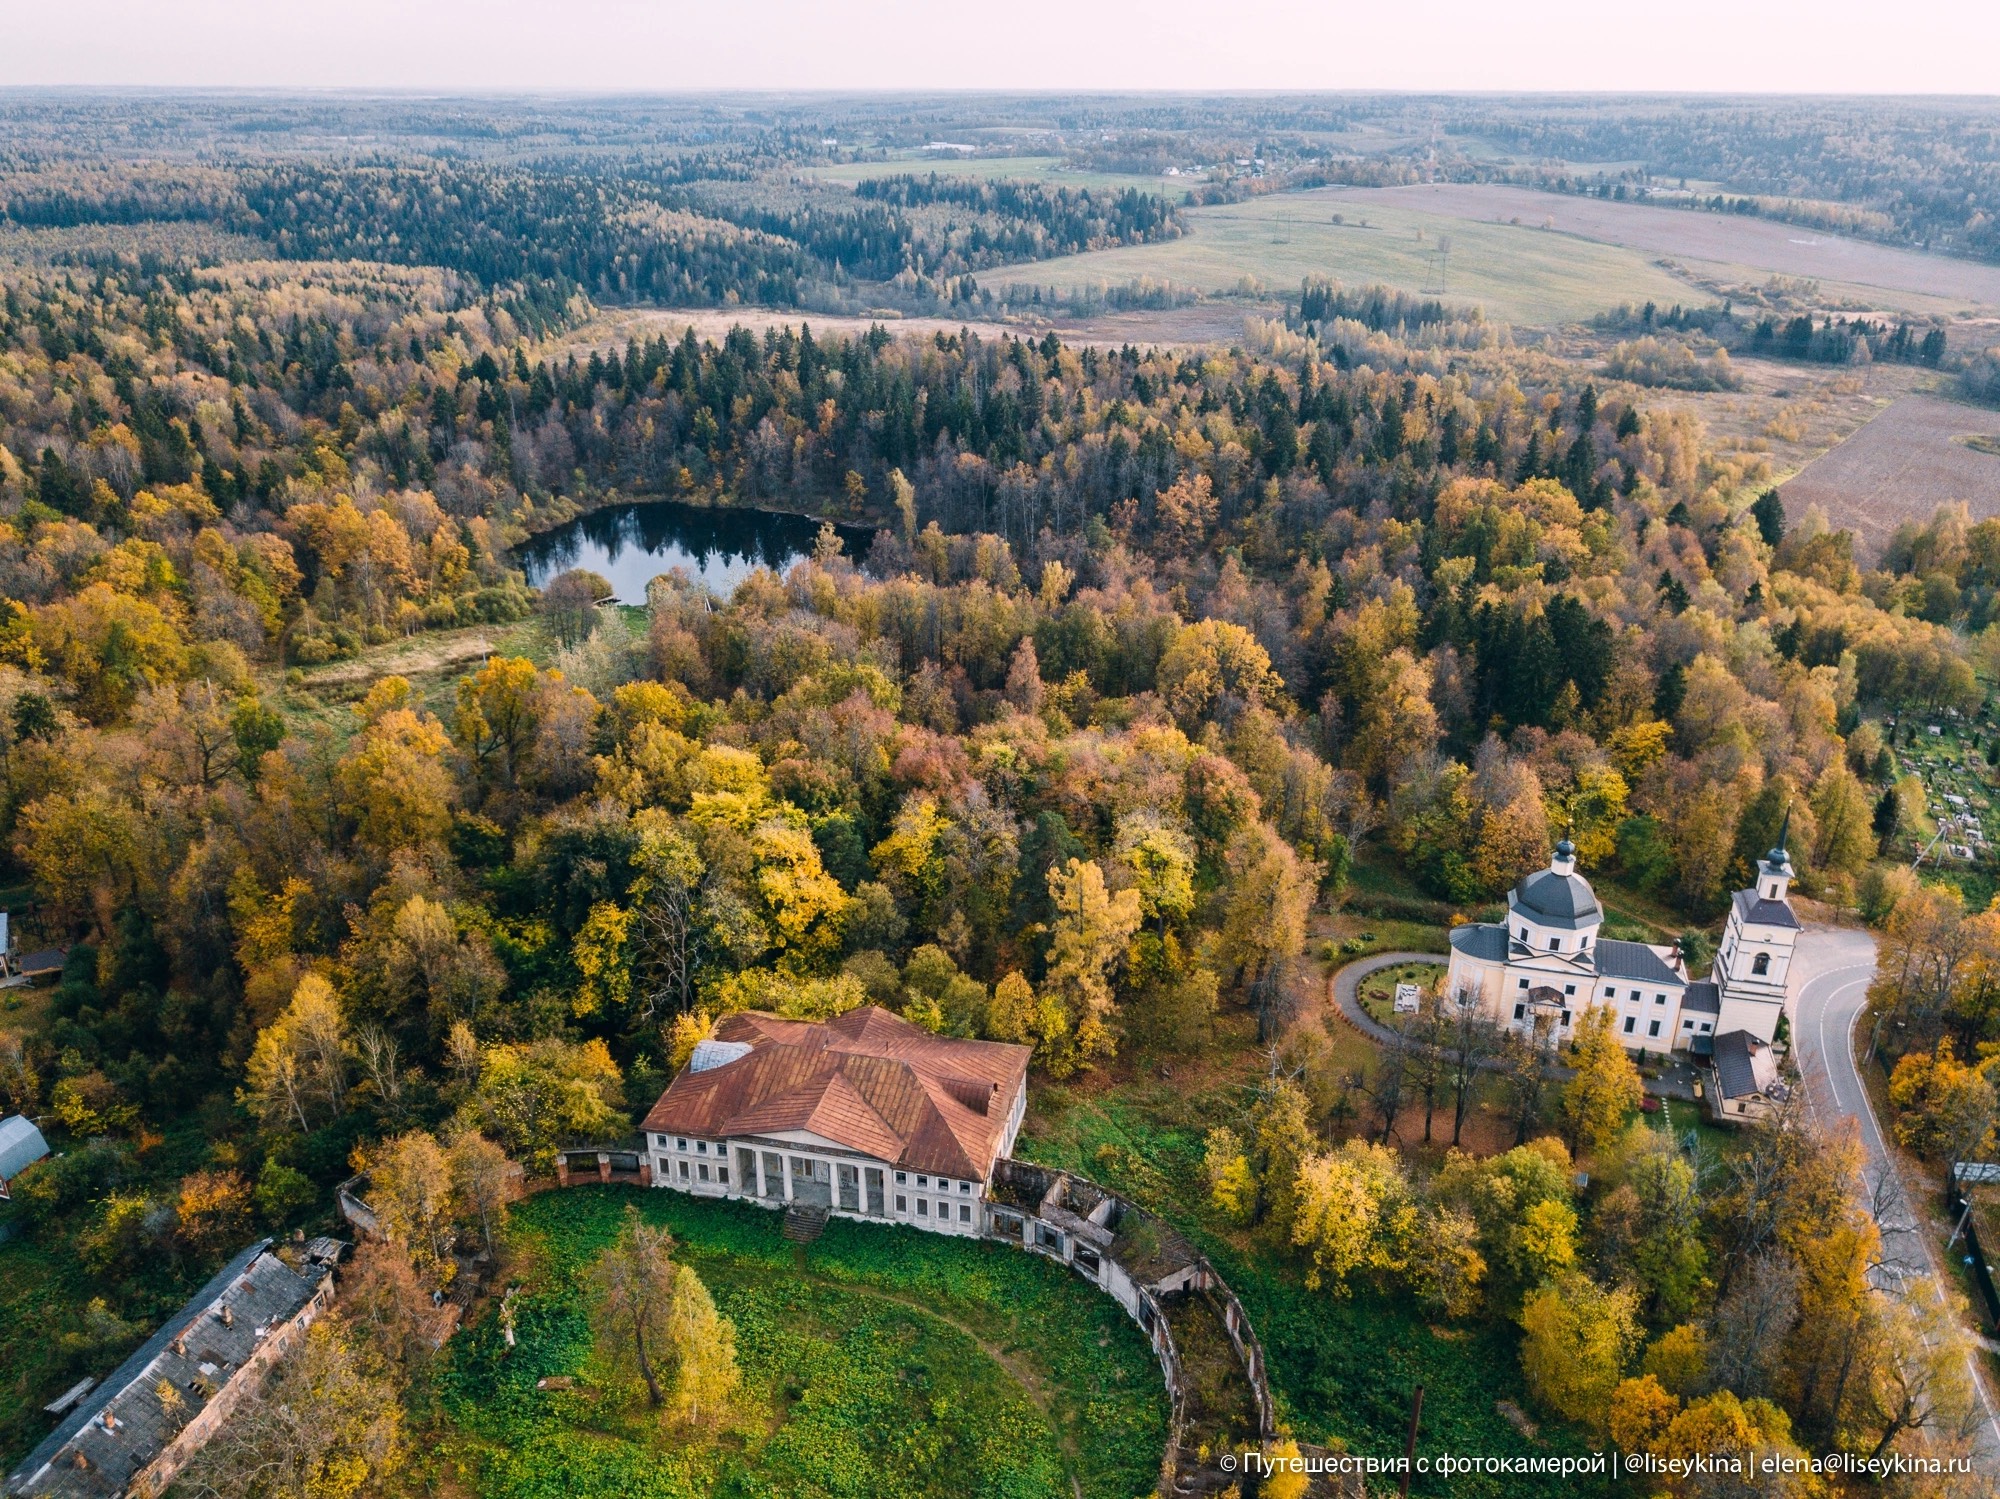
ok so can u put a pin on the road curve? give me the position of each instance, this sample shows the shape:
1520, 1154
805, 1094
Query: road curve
1831, 973
1347, 989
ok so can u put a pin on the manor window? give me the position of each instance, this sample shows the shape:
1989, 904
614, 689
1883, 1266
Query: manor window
1630, 1021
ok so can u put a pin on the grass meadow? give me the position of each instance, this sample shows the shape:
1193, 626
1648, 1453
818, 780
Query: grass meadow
1516, 273
880, 1360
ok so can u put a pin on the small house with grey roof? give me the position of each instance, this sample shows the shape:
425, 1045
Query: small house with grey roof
21, 1145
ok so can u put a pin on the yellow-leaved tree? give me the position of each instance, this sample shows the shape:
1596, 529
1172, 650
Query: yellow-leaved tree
297, 1073
1091, 930
1605, 1088
1355, 1214
1576, 1339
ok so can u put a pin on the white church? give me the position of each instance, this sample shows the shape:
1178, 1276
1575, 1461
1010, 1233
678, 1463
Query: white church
1539, 969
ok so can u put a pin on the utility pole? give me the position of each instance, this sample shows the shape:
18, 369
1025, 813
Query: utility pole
1410, 1441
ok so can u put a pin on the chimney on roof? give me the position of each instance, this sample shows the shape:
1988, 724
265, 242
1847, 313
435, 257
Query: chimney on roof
110, 1421
228, 1315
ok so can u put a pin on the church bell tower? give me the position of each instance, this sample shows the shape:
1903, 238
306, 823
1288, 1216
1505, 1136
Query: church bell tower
1754, 964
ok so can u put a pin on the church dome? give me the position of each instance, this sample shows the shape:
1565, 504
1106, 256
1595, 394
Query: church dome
1558, 899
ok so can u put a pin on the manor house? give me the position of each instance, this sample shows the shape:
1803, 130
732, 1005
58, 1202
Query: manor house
861, 1116
1537, 970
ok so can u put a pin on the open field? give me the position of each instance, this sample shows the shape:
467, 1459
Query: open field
1914, 280
1050, 169
879, 1360
1902, 466
1517, 274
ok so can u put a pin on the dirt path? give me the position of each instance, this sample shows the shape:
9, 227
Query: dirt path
1023, 1373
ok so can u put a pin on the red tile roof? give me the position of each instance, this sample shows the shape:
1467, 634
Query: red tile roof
866, 1080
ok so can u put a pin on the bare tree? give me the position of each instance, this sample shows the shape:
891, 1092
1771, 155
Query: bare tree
1471, 1041
381, 1058
1388, 1084
1747, 1334
1525, 1079
482, 1180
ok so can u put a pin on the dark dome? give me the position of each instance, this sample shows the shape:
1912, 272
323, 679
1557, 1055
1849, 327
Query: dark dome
1559, 899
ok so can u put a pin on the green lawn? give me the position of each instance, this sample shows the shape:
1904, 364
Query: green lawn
1378, 990
41, 1291
882, 1361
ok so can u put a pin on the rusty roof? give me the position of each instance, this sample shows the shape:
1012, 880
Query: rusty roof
866, 1080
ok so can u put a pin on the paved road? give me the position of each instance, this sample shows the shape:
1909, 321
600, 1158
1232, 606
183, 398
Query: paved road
1832, 970
1347, 988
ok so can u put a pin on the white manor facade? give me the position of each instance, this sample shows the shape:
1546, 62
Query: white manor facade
861, 1116
1540, 969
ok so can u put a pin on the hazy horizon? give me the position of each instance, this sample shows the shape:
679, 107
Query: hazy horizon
1945, 47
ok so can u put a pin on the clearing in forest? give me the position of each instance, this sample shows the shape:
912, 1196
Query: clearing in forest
1518, 274
1729, 240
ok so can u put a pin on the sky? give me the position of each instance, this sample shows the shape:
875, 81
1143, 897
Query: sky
1827, 46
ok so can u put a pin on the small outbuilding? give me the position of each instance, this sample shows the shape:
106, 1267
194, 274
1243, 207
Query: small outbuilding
1744, 1082
21, 1145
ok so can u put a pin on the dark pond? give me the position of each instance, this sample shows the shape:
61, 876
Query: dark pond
633, 544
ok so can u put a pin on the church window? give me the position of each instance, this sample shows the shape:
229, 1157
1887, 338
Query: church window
1524, 983
1555, 944
1569, 988
1774, 892
1520, 1011
1761, 963
1565, 1018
